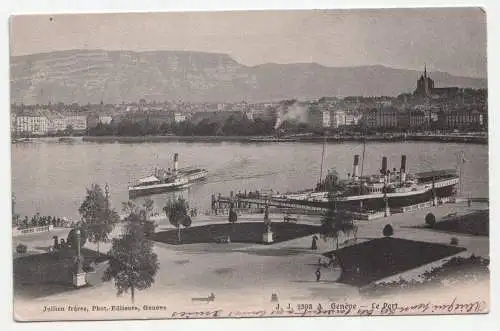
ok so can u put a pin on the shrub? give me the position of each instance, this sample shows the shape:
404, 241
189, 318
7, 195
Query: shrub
72, 238
21, 249
454, 241
388, 230
430, 220
149, 228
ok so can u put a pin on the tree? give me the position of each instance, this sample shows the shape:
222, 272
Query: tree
177, 214
388, 231
140, 215
71, 240
15, 217
233, 216
98, 219
335, 222
133, 264
430, 220
69, 130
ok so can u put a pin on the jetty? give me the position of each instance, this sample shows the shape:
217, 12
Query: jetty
257, 202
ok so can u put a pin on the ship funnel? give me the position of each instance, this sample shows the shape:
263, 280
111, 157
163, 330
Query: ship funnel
176, 162
355, 166
383, 171
403, 168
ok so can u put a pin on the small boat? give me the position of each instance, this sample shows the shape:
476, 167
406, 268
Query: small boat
66, 140
21, 140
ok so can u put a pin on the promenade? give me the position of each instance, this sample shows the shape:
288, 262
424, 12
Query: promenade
247, 274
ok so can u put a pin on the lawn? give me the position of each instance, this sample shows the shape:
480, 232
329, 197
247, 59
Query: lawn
476, 223
457, 269
250, 232
48, 273
376, 259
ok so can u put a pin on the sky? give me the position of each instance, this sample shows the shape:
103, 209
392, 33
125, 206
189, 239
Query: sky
450, 40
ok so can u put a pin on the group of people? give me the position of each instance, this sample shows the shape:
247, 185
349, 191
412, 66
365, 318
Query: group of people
193, 212
37, 220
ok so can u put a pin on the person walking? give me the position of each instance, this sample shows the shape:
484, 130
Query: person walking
314, 245
318, 274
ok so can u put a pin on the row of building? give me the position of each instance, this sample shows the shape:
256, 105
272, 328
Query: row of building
45, 122
392, 118
40, 125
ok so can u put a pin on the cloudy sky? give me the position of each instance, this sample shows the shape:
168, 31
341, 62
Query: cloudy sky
452, 40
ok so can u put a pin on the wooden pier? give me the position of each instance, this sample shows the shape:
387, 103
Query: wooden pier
255, 203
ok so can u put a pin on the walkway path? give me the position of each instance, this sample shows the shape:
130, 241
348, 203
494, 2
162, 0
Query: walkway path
249, 273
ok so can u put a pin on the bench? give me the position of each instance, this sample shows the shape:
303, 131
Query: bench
208, 299
288, 219
223, 240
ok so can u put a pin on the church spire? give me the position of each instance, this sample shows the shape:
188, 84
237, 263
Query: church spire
425, 70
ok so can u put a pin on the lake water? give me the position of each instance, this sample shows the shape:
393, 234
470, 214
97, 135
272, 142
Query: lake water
51, 177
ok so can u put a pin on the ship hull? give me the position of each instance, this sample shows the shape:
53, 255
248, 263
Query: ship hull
192, 178
377, 202
155, 189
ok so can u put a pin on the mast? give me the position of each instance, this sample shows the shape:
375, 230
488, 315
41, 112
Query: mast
322, 157
362, 161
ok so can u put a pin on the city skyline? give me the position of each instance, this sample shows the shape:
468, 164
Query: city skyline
296, 37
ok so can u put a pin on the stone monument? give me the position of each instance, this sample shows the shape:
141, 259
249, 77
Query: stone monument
79, 276
267, 236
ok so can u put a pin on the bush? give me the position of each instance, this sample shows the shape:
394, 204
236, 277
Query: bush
430, 220
454, 241
149, 228
21, 249
72, 238
388, 230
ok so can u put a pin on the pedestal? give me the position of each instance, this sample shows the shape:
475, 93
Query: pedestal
267, 237
79, 279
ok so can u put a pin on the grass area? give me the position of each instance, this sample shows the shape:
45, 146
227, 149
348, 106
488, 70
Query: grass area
457, 269
250, 232
476, 223
45, 274
383, 257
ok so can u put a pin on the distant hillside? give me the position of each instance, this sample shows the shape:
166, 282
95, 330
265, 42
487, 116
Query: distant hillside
116, 76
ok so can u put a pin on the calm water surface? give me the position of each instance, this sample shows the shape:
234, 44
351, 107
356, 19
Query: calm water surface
51, 178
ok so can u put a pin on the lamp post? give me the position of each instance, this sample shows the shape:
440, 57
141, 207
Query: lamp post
106, 192
386, 199
267, 236
79, 276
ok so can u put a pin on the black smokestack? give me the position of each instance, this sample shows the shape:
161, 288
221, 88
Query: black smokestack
403, 163
384, 165
176, 161
355, 166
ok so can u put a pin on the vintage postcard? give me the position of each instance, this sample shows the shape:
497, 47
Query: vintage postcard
249, 164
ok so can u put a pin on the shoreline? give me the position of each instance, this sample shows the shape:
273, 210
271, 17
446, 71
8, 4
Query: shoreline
478, 140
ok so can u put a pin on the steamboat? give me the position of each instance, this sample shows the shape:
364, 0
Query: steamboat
165, 180
398, 188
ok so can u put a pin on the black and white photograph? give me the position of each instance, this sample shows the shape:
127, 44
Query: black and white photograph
249, 164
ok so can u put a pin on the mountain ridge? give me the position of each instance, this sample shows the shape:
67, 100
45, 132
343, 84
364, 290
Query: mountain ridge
114, 76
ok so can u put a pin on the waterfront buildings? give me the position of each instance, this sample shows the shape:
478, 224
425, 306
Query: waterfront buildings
179, 117
463, 119
35, 125
53, 123
319, 118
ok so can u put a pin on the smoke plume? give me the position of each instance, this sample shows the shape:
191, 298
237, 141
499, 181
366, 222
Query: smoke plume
294, 112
